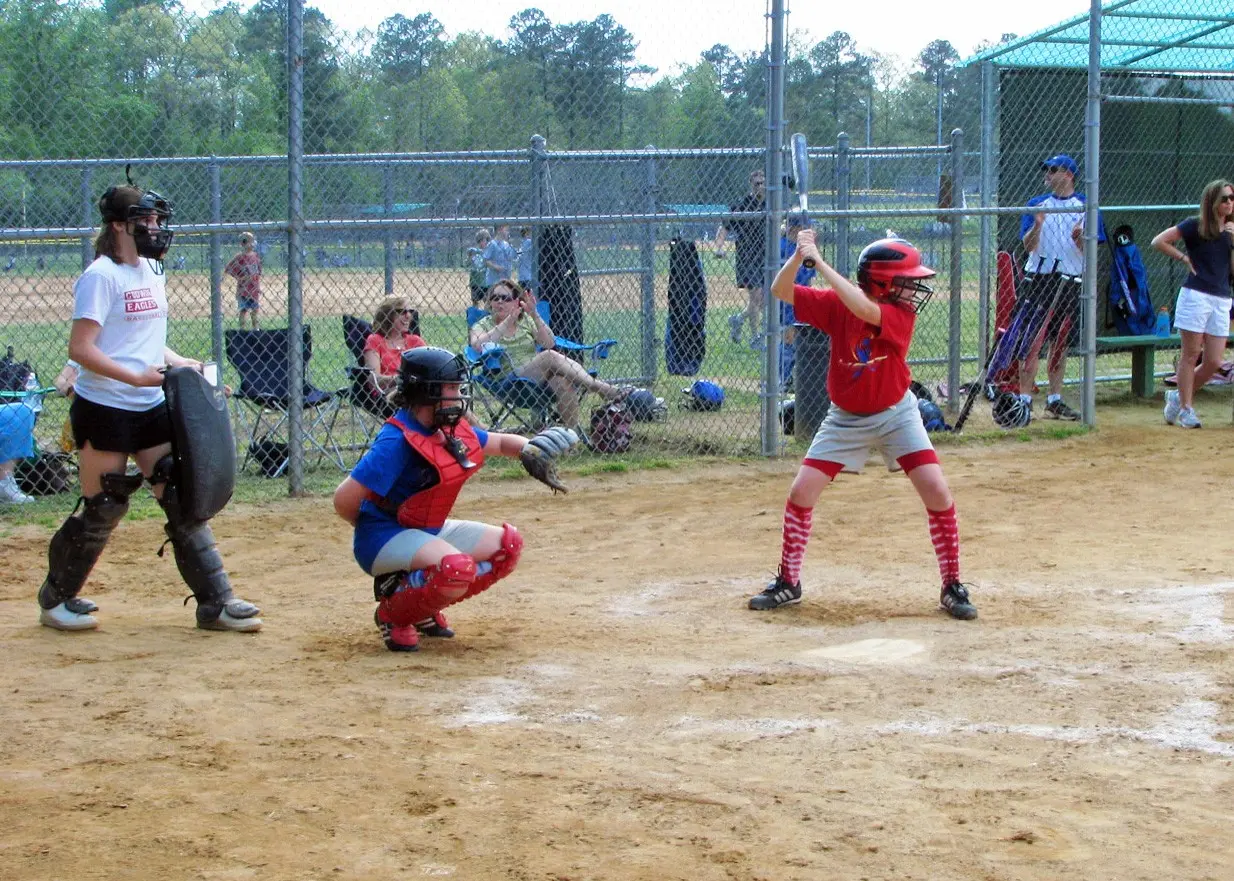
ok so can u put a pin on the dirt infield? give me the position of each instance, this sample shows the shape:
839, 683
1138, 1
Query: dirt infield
613, 712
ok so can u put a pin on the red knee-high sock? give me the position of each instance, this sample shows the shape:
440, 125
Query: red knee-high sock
945, 535
796, 534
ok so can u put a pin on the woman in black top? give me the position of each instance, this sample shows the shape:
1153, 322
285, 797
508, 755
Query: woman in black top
1202, 310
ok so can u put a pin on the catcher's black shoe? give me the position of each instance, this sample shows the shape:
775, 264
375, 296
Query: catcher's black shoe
955, 602
436, 626
779, 593
1059, 410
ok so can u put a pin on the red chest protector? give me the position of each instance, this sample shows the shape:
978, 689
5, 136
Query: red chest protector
430, 508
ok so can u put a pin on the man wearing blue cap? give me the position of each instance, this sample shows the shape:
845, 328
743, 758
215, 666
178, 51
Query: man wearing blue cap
1055, 265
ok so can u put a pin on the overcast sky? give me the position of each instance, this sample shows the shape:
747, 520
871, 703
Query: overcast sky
673, 32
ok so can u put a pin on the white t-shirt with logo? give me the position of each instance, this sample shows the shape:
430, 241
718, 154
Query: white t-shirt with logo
130, 303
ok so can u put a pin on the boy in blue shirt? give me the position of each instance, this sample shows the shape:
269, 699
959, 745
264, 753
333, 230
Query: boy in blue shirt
793, 224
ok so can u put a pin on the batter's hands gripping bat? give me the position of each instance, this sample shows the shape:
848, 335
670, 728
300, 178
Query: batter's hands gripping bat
801, 177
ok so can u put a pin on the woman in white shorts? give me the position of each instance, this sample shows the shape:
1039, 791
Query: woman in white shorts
1202, 310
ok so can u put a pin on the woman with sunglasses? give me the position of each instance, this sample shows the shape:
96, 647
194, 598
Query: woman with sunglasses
514, 324
392, 336
1202, 309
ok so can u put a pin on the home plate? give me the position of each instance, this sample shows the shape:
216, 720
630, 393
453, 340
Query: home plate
869, 651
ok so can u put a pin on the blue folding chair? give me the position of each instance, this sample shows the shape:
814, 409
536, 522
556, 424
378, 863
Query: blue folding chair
513, 402
262, 400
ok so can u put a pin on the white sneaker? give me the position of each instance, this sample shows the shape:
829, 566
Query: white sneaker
1172, 406
237, 615
1188, 419
11, 493
62, 617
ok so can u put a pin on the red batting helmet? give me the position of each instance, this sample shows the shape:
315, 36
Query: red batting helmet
891, 269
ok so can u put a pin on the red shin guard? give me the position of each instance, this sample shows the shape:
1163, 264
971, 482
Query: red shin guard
503, 561
445, 584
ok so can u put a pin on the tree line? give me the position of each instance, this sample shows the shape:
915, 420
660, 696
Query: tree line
147, 78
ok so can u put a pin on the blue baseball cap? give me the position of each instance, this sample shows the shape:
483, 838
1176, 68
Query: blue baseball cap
1062, 160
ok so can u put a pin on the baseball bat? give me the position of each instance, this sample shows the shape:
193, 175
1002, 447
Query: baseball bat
996, 355
801, 178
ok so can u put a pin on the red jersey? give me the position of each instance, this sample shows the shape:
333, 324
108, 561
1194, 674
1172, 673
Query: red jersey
245, 268
388, 355
869, 365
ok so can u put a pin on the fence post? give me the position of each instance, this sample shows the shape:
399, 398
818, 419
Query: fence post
956, 315
987, 199
539, 168
387, 179
216, 262
647, 279
844, 169
295, 247
88, 210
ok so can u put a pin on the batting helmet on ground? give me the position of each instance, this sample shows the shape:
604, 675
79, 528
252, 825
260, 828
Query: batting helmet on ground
703, 395
1011, 411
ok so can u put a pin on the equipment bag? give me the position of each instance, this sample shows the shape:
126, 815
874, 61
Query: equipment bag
1131, 307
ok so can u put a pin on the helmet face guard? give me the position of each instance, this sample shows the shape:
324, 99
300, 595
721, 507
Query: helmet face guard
152, 244
423, 374
891, 270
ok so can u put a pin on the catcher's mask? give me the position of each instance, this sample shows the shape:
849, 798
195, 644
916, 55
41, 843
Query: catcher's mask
133, 206
891, 270
423, 374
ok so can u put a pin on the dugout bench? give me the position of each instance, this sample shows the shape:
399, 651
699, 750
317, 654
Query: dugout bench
1143, 351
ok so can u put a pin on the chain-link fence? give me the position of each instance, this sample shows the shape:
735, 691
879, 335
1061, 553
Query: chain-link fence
422, 167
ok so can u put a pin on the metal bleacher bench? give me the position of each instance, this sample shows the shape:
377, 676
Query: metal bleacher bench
1143, 350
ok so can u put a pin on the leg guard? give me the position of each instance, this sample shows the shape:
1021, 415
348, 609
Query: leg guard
76, 546
444, 584
200, 564
504, 561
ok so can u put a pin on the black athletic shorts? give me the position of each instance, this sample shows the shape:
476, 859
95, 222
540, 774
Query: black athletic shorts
749, 269
114, 430
1032, 313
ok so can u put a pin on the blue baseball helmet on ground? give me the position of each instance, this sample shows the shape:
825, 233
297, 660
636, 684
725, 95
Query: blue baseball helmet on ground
703, 395
932, 416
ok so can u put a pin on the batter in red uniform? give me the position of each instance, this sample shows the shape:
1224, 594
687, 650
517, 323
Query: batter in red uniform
871, 327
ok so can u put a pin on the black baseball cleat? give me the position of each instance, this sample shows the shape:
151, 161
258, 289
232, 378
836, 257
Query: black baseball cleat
955, 602
1059, 410
436, 626
779, 593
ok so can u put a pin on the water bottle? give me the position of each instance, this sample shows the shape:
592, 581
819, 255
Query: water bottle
33, 401
1163, 322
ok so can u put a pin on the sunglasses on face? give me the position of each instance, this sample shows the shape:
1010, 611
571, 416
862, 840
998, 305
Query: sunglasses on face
1228, 197
502, 298
1054, 169
407, 312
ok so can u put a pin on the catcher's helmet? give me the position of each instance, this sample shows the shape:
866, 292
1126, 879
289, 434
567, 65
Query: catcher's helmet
132, 205
891, 269
703, 395
1010, 411
421, 374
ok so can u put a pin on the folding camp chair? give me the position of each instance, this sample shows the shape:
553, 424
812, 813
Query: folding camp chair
367, 406
262, 399
512, 402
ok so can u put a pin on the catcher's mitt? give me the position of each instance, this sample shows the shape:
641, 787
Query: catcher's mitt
539, 457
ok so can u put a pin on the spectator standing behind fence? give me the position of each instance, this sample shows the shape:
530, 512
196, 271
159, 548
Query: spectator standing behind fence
794, 224
476, 271
1055, 264
392, 336
119, 337
1202, 310
526, 257
499, 257
749, 262
245, 268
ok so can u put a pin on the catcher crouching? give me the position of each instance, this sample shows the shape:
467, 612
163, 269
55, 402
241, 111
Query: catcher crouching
400, 494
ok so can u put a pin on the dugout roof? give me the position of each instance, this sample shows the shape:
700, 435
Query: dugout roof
1181, 36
